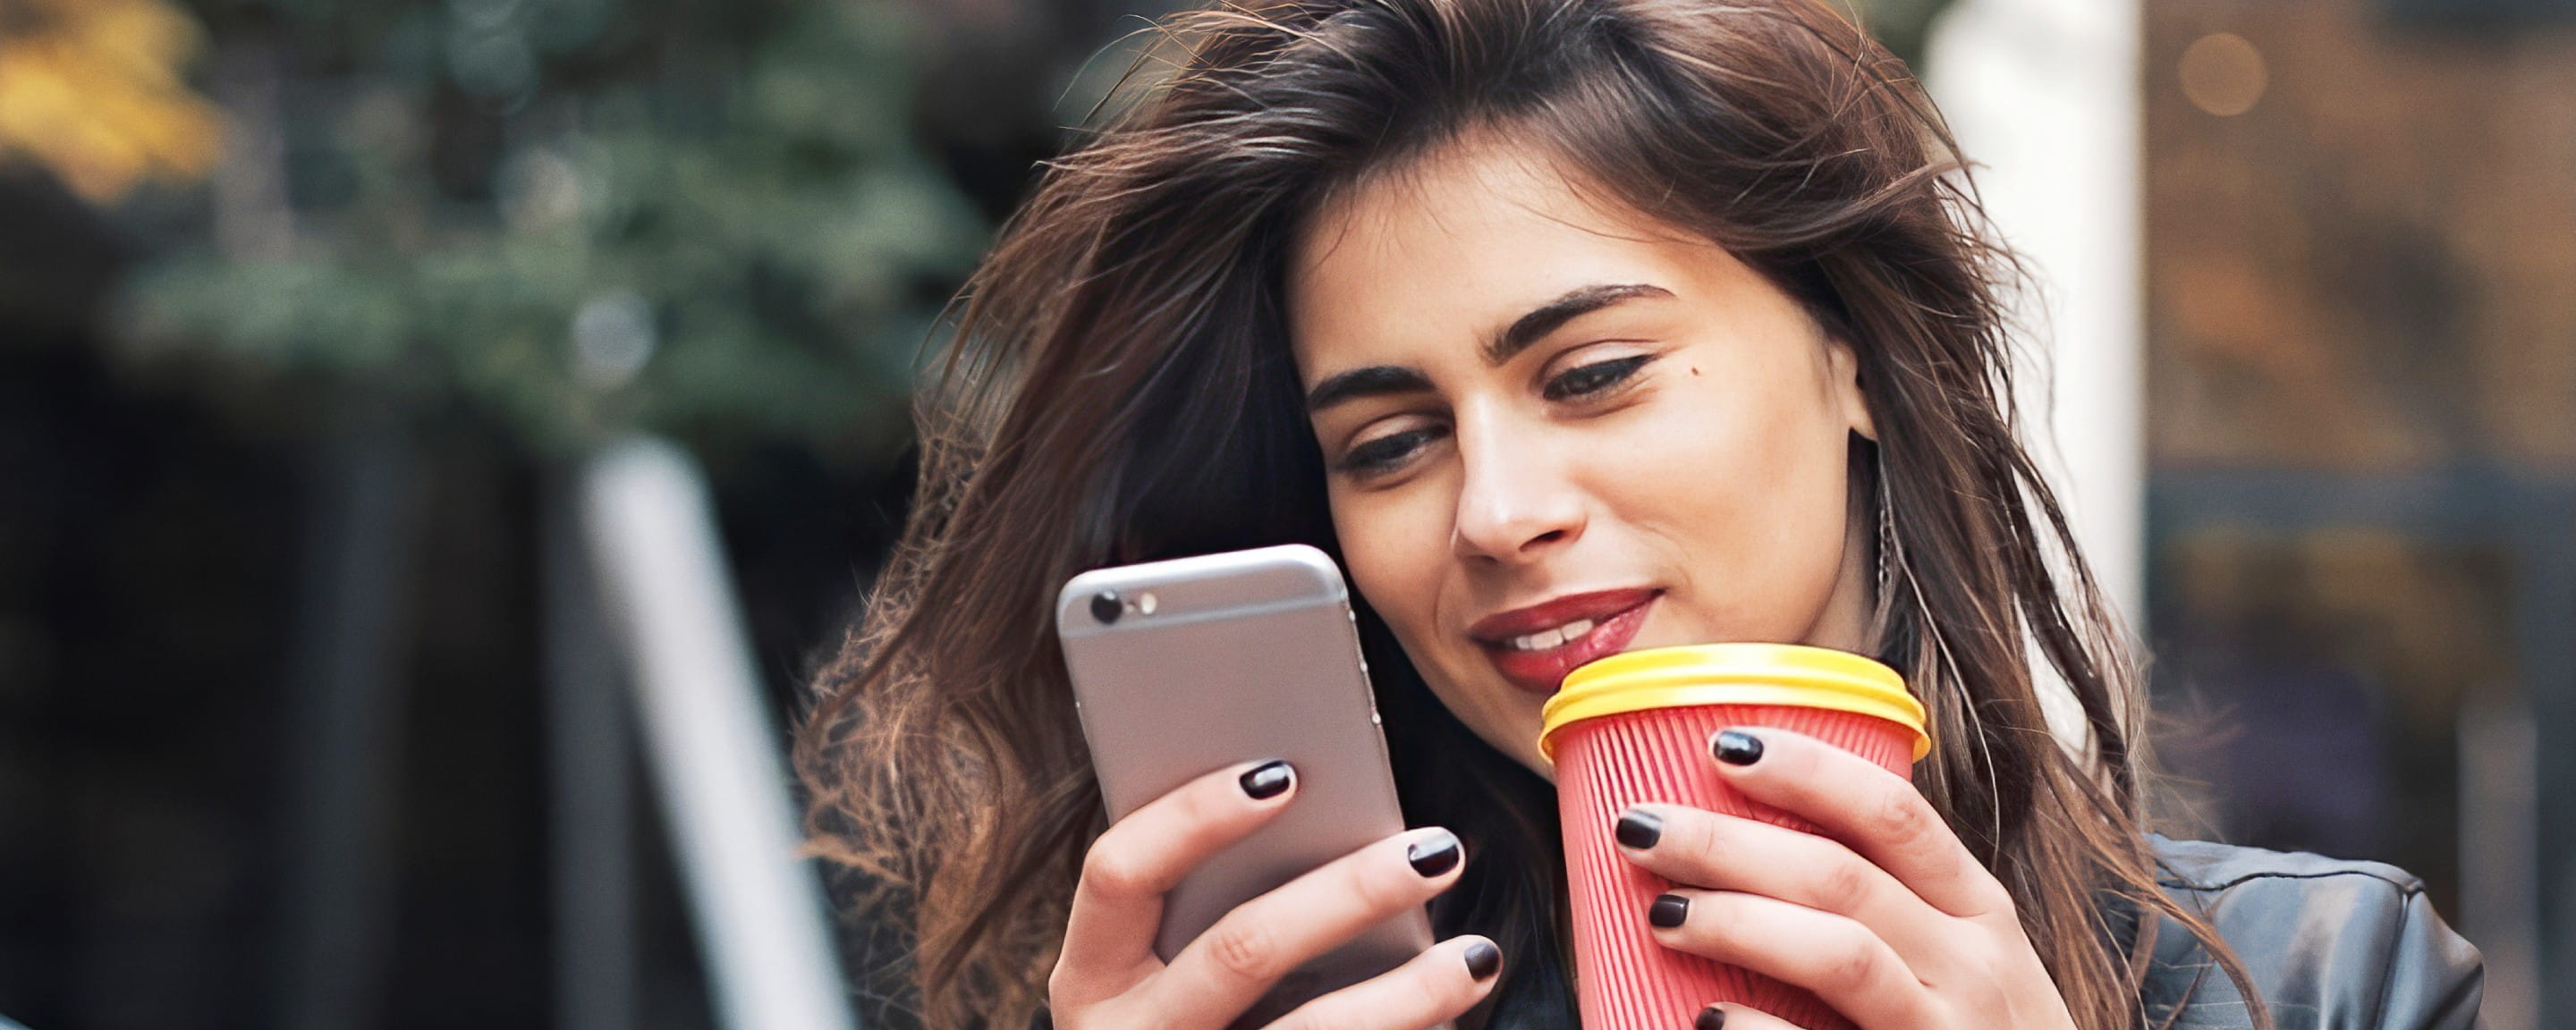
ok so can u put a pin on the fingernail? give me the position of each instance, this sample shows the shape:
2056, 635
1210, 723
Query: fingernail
1639, 830
1710, 1018
1484, 960
1668, 911
1432, 856
1267, 780
1735, 748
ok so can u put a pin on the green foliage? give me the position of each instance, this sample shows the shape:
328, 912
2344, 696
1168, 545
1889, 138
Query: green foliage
582, 218
1902, 25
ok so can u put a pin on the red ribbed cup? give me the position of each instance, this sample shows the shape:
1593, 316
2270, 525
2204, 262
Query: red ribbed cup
1624, 979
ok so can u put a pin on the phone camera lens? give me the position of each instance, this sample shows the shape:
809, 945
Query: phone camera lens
1106, 607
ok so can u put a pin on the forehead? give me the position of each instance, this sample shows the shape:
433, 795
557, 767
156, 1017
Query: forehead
1454, 245
1454, 197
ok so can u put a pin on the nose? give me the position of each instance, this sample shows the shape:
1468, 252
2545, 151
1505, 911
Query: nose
1518, 500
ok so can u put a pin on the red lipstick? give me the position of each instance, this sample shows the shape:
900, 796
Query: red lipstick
1539, 666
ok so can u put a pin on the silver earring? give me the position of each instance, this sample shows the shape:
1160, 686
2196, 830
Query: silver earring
1887, 557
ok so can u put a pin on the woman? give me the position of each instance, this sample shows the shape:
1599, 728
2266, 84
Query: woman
1569, 326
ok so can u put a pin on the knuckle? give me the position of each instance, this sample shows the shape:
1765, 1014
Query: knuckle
1852, 968
1902, 815
1069, 992
1844, 886
1245, 949
1109, 871
1060, 987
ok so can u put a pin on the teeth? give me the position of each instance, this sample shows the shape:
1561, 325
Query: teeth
1547, 638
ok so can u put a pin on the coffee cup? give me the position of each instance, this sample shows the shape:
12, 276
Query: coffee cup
1635, 728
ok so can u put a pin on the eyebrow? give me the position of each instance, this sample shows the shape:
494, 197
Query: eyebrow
1371, 381
1548, 317
1382, 380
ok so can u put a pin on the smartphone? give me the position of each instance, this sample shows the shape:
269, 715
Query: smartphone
1184, 667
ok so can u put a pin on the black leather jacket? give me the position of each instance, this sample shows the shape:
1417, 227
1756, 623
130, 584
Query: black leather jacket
2330, 945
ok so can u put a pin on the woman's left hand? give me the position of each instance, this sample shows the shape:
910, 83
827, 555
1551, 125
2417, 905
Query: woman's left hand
1886, 916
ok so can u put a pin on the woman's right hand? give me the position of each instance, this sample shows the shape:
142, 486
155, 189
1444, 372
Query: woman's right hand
1107, 977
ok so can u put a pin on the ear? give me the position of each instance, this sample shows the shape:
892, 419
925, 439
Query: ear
1842, 366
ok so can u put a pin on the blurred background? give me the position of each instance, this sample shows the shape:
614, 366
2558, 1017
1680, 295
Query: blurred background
331, 691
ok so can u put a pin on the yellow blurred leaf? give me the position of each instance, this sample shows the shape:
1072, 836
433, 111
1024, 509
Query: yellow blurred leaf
95, 91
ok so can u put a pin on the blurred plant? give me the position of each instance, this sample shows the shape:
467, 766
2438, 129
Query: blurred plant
94, 91
1903, 25
579, 216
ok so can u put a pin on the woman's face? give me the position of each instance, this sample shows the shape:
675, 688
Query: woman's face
1555, 429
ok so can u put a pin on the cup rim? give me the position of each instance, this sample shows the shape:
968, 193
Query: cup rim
1696, 675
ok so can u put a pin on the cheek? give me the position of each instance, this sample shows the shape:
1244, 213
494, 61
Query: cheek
1394, 555
1725, 448
1747, 494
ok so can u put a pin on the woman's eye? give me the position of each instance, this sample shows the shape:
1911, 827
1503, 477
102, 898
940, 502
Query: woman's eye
1385, 453
1587, 380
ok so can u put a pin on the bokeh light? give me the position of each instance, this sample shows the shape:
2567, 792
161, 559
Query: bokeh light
2223, 74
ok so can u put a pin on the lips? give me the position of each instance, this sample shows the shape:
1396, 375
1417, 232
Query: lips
1615, 615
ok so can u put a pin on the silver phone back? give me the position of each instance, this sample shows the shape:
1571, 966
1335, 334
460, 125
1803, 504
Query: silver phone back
1245, 656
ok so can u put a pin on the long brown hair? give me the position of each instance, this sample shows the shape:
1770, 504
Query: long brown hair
1121, 390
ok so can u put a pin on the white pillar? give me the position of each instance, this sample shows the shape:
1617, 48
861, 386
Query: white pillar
762, 923
2043, 95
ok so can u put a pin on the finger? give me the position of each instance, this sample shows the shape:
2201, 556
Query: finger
1118, 903
1227, 968
1698, 848
1727, 1015
1877, 813
1838, 959
1437, 986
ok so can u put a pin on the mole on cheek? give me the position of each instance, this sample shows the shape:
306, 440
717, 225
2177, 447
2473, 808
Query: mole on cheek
1694, 369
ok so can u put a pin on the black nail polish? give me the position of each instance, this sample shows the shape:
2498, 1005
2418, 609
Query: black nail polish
1432, 856
1735, 748
1484, 960
1267, 780
1710, 1018
1639, 830
1668, 911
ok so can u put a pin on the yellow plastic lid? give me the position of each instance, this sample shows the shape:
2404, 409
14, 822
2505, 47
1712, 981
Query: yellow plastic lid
1786, 675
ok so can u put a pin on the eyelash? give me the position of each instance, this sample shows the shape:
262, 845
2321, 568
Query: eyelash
1594, 379
1382, 454
1580, 383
